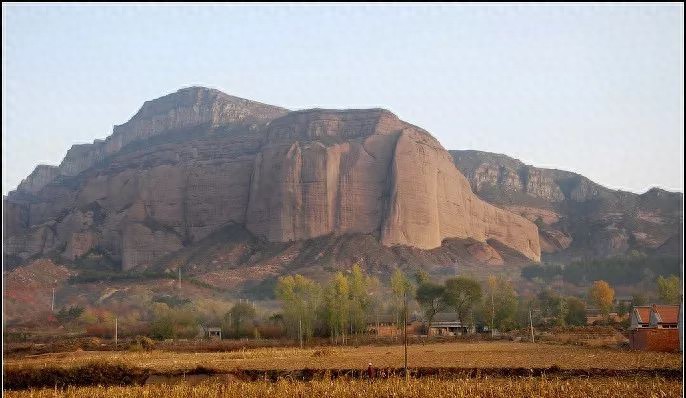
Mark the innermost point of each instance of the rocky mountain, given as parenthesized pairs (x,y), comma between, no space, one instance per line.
(192,164)
(577,218)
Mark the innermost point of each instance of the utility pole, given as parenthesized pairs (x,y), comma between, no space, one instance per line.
(179,277)
(531,325)
(52,304)
(115,331)
(405,331)
(300,332)
(492,313)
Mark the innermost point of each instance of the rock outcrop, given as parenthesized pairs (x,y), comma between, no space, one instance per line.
(190,163)
(576,217)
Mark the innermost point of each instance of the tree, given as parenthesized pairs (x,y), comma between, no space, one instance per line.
(360,301)
(669,289)
(553,307)
(300,298)
(169,322)
(501,303)
(421,276)
(638,299)
(462,294)
(69,314)
(239,320)
(401,289)
(602,295)
(430,297)
(622,309)
(337,306)
(576,312)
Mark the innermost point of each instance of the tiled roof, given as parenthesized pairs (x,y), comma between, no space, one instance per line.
(643,314)
(667,313)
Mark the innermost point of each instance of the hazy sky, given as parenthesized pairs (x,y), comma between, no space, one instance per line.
(595,90)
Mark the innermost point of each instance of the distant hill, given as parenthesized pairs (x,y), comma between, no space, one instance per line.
(577,218)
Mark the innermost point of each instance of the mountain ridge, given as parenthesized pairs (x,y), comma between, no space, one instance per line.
(578,217)
(191,161)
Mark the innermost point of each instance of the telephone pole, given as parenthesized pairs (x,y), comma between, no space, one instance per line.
(531,325)
(115,331)
(52,304)
(300,332)
(405,331)
(492,313)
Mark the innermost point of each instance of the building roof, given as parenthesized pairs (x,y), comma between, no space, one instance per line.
(642,313)
(446,324)
(445,317)
(666,313)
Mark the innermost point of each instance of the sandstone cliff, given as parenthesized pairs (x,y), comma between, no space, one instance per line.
(190,163)
(576,217)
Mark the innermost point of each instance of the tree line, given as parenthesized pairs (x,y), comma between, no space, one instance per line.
(628,269)
(350,303)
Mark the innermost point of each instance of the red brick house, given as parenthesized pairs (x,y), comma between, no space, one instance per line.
(655,328)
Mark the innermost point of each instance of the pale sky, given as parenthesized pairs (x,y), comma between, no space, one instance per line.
(594,90)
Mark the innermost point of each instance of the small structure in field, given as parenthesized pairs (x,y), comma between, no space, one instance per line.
(209,332)
(214,333)
(655,328)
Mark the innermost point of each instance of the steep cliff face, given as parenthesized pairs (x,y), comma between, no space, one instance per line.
(190,163)
(576,217)
(431,201)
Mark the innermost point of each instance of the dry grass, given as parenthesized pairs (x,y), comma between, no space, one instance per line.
(493,388)
(467,355)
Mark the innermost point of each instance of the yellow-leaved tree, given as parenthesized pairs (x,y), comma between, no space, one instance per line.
(601,294)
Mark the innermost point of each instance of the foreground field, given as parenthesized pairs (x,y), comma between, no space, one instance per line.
(493,388)
(460,354)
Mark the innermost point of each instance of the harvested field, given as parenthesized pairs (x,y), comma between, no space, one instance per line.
(498,354)
(435,388)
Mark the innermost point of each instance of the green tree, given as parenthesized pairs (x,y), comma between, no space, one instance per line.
(401,289)
(552,307)
(239,321)
(576,312)
(669,289)
(638,299)
(462,294)
(430,297)
(300,298)
(69,314)
(178,322)
(622,309)
(336,307)
(500,303)
(360,300)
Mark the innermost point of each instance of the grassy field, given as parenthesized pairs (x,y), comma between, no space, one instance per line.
(473,388)
(497,354)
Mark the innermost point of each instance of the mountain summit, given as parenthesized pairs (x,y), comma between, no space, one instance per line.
(192,163)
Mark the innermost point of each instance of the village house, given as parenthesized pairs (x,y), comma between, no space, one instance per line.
(655,328)
(446,324)
(386,326)
(594,315)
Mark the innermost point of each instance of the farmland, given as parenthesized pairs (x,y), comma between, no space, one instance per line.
(494,388)
(493,354)
(486,369)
